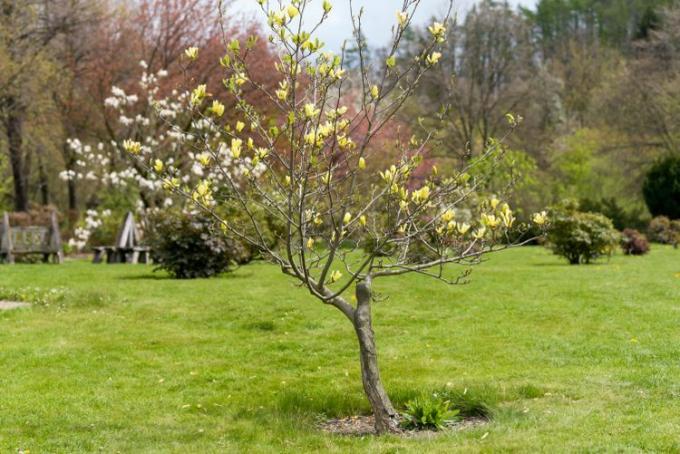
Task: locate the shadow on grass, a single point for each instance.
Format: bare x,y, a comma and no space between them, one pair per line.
162,276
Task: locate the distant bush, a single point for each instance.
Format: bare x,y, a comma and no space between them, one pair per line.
189,246
634,243
663,230
428,412
621,218
581,237
661,188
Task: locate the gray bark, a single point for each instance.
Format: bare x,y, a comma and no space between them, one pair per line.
386,418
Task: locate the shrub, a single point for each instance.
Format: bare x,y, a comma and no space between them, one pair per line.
428,412
188,246
663,230
581,237
661,188
634,243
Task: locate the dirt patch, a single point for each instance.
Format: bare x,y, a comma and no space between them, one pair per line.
364,425
9,305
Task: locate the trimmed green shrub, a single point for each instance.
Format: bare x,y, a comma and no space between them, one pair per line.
634,243
189,246
661,188
428,412
581,237
663,230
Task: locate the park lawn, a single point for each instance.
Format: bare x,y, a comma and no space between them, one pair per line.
121,359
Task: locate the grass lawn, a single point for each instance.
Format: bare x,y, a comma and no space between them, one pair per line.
120,359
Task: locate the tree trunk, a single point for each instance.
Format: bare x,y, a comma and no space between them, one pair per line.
14,126
386,418
44,183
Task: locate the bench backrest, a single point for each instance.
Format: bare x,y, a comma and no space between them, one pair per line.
30,239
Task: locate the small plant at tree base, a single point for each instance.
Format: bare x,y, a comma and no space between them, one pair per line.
634,243
428,413
581,237
304,164
186,246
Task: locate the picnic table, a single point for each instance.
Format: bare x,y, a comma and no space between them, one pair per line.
127,248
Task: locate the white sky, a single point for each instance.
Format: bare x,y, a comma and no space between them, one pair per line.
379,16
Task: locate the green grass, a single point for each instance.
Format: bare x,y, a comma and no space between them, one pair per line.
570,358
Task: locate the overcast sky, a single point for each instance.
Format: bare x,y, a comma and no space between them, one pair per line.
379,16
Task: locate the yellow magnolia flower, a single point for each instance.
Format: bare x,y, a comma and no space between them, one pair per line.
448,215
438,31
326,178
391,61
202,193
170,184
132,146
240,79
346,218
311,111
345,142
158,166
191,53
239,126
375,92
540,218
479,233
203,159
402,17
494,202
421,195
310,243
236,145
463,228
327,6
433,58
287,180
198,94
335,276
282,92
490,220
292,11
362,163
362,220
217,108
507,218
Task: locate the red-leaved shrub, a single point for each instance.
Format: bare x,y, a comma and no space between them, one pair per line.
634,242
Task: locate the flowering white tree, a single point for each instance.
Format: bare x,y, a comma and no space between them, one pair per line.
311,167
166,128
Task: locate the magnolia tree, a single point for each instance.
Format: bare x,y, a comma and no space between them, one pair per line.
310,167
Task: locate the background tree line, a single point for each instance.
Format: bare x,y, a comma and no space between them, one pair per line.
595,81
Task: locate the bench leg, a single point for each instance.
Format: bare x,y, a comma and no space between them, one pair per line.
97,257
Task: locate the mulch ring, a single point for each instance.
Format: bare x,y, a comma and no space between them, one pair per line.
364,425
9,305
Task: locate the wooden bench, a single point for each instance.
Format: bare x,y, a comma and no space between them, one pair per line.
127,248
30,240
